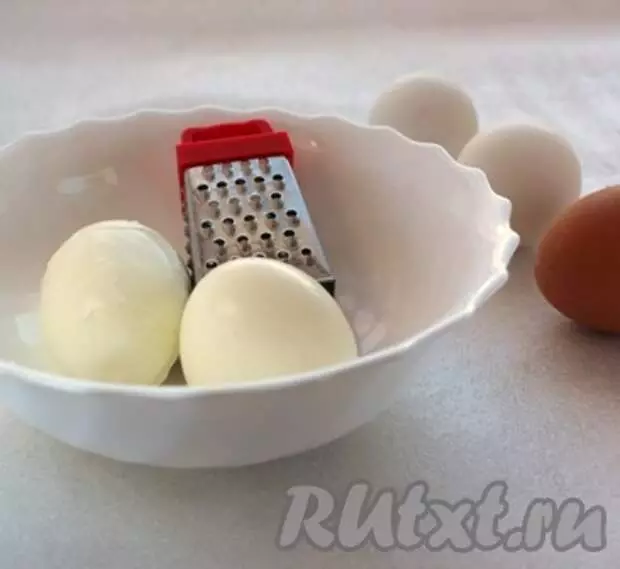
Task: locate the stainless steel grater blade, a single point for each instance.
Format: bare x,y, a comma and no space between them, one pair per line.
250,208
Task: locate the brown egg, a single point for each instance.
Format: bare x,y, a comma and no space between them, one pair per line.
578,262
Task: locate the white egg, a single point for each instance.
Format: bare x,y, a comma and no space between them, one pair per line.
428,109
112,299
255,319
535,168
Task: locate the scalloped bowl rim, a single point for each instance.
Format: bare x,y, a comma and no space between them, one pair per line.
504,250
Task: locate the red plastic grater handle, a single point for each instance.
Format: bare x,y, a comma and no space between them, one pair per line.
225,130
228,142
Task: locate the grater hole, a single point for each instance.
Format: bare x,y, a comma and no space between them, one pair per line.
265,236
259,180
306,252
211,264
271,215
228,221
260,255
219,242
291,213
289,233
276,196
283,255
240,182
202,187
243,240
222,184
277,177
249,218
206,224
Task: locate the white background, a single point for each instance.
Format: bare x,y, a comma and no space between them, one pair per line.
515,394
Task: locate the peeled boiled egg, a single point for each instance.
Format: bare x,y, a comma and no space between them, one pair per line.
535,168
112,298
428,109
254,319
578,262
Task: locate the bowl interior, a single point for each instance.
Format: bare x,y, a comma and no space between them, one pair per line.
410,235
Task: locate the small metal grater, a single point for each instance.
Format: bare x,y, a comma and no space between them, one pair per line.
236,205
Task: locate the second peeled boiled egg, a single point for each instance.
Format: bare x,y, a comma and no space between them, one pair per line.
254,319
112,298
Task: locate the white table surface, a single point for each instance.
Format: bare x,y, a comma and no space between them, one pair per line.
515,394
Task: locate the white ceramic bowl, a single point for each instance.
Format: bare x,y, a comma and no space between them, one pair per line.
417,243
